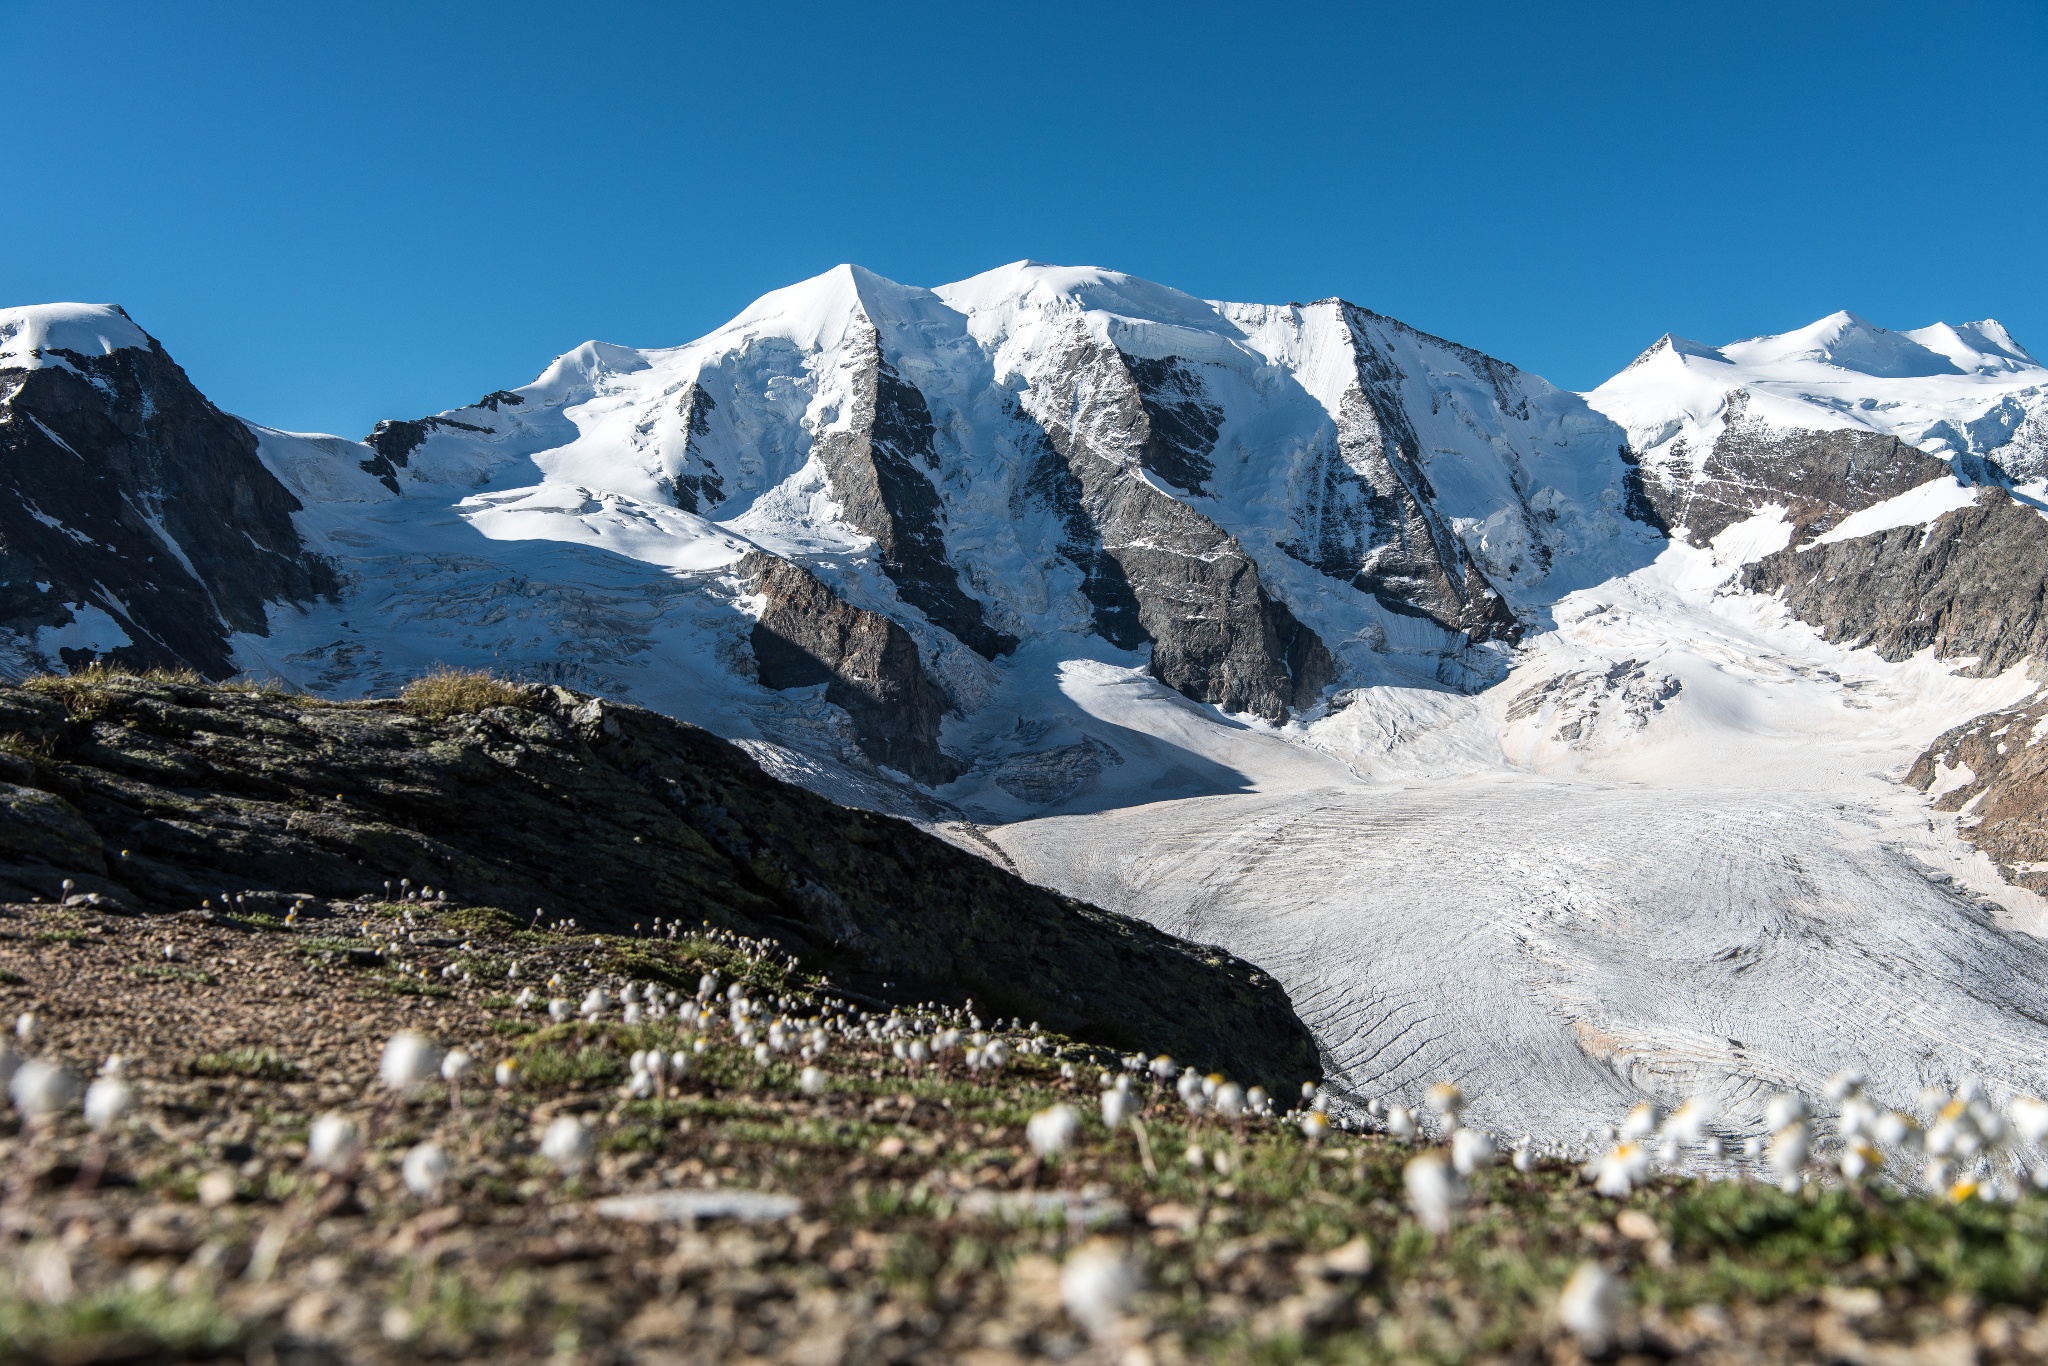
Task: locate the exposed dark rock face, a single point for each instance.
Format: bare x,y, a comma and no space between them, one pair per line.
1995,771
698,487
1053,775
1624,695
1972,583
1637,500
158,795
395,439
1217,635
1181,423
123,489
808,635
1820,477
1112,601
878,468
1368,517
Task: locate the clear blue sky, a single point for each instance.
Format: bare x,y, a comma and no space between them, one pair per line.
335,213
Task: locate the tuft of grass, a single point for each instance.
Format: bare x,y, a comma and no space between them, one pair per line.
165,972
260,687
263,1064
110,1324
450,692
548,1066
85,692
481,920
23,747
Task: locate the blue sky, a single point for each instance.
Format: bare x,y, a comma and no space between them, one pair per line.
336,213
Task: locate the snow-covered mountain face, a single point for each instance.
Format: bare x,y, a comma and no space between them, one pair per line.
1546,743
1256,506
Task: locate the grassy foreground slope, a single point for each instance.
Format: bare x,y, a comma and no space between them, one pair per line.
919,1223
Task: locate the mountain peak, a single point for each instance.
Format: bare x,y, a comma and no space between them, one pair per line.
87,329
1671,344
1844,341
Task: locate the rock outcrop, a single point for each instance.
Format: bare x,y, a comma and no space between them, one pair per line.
1368,516
1973,584
879,467
808,635
1156,570
136,522
156,794
1994,770
1818,477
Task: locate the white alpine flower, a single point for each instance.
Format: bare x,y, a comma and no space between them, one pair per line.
1640,1124
1052,1130
1588,1306
41,1089
1400,1123
1472,1150
409,1060
1621,1169
334,1142
567,1144
425,1169
1434,1191
1097,1285
107,1100
1118,1106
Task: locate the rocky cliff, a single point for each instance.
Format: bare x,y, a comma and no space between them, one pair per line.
1216,633
1972,584
1994,771
136,522
1367,511
879,467
806,636
159,794
1818,477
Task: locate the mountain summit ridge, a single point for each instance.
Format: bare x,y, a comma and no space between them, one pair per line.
1257,506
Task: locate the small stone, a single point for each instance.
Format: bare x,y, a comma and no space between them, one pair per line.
1353,1260
1637,1226
216,1189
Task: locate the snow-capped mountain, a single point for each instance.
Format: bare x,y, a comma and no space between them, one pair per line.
1824,419
1253,504
1547,742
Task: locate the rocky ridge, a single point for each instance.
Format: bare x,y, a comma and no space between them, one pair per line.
1818,477
159,794
1993,771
